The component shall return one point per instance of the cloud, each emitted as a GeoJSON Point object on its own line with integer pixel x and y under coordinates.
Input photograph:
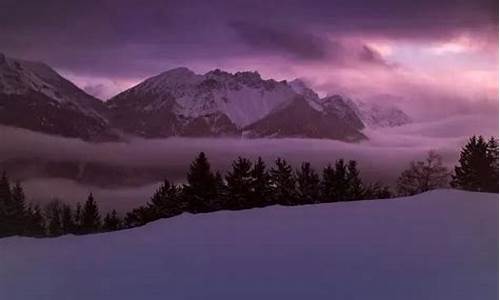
{"type": "Point", "coordinates": [299, 44]}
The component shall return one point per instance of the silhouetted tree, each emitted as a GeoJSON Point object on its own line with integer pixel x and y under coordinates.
{"type": "Point", "coordinates": [67, 219]}
{"type": "Point", "coordinates": [478, 166]}
{"type": "Point", "coordinates": [283, 183]}
{"type": "Point", "coordinates": [308, 184]}
{"type": "Point", "coordinates": [355, 188]}
{"type": "Point", "coordinates": [90, 219]}
{"type": "Point", "coordinates": [35, 222]}
{"type": "Point", "coordinates": [17, 210]}
{"type": "Point", "coordinates": [200, 193]}
{"type": "Point", "coordinates": [239, 184]}
{"type": "Point", "coordinates": [5, 206]}
{"type": "Point", "coordinates": [111, 221]}
{"type": "Point", "coordinates": [166, 202]}
{"type": "Point", "coordinates": [261, 184]}
{"type": "Point", "coordinates": [423, 176]}
{"type": "Point", "coordinates": [327, 184]}
{"type": "Point", "coordinates": [377, 191]}
{"type": "Point", "coordinates": [53, 216]}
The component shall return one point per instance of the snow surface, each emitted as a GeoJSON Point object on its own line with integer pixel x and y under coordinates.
{"type": "Point", "coordinates": [438, 245]}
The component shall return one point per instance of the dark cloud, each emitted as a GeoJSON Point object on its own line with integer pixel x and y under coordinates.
{"type": "Point", "coordinates": [140, 38]}
{"type": "Point", "coordinates": [299, 44]}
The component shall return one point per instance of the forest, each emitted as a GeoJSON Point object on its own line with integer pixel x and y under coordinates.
{"type": "Point", "coordinates": [248, 184]}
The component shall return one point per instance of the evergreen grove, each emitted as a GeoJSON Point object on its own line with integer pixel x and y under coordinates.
{"type": "Point", "coordinates": [247, 185]}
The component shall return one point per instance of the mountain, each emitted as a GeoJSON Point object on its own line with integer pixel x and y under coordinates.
{"type": "Point", "coordinates": [181, 103]}
{"type": "Point", "coordinates": [35, 97]}
{"type": "Point", "coordinates": [437, 245]}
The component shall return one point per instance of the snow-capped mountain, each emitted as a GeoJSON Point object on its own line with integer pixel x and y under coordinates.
{"type": "Point", "coordinates": [377, 115]}
{"type": "Point", "coordinates": [34, 96]}
{"type": "Point", "coordinates": [181, 103]}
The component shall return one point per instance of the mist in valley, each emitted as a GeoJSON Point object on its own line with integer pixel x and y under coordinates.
{"type": "Point", "coordinates": [124, 175]}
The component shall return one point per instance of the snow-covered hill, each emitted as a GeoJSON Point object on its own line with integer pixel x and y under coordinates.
{"type": "Point", "coordinates": [438, 245]}
{"type": "Point", "coordinates": [34, 96]}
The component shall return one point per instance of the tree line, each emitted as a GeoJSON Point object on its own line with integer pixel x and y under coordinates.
{"type": "Point", "coordinates": [247, 185]}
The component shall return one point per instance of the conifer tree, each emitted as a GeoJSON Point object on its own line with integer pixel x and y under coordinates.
{"type": "Point", "coordinates": [111, 221]}
{"type": "Point", "coordinates": [17, 209]}
{"type": "Point", "coordinates": [67, 219]}
{"type": "Point", "coordinates": [327, 184]}
{"type": "Point", "coordinates": [5, 204]}
{"type": "Point", "coordinates": [341, 183]}
{"type": "Point", "coordinates": [200, 192]}
{"type": "Point", "coordinates": [53, 216]}
{"type": "Point", "coordinates": [35, 222]}
{"type": "Point", "coordinates": [91, 220]}
{"type": "Point", "coordinates": [308, 184]}
{"type": "Point", "coordinates": [355, 190]}
{"type": "Point", "coordinates": [166, 202]}
{"type": "Point", "coordinates": [261, 184]}
{"type": "Point", "coordinates": [239, 184]}
{"type": "Point", "coordinates": [283, 183]}
{"type": "Point", "coordinates": [221, 201]}
{"type": "Point", "coordinates": [478, 166]}
{"type": "Point", "coordinates": [78, 218]}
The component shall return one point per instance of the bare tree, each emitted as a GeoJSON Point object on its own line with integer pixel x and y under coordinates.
{"type": "Point", "coordinates": [423, 176]}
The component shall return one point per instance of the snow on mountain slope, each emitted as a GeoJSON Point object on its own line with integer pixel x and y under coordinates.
{"type": "Point", "coordinates": [244, 97]}
{"type": "Point", "coordinates": [436, 246]}
{"type": "Point", "coordinates": [376, 115]}
{"type": "Point", "coordinates": [35, 97]}
{"type": "Point", "coordinates": [219, 103]}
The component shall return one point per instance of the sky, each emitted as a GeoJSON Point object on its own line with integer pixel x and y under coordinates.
{"type": "Point", "coordinates": [434, 59]}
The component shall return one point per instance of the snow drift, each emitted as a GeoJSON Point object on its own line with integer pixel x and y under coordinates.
{"type": "Point", "coordinates": [438, 245]}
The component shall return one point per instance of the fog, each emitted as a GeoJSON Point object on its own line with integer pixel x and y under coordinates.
{"type": "Point", "coordinates": [381, 158]}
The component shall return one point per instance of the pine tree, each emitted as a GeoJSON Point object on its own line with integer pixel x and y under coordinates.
{"type": "Point", "coordinates": [239, 184]}
{"type": "Point", "coordinates": [201, 192]}
{"type": "Point", "coordinates": [5, 205]}
{"type": "Point", "coordinates": [77, 220]}
{"type": "Point", "coordinates": [166, 202]}
{"type": "Point", "coordinates": [112, 222]}
{"type": "Point", "coordinates": [261, 184]}
{"type": "Point", "coordinates": [308, 184]}
{"type": "Point", "coordinates": [341, 183]}
{"type": "Point", "coordinates": [67, 220]}
{"type": "Point", "coordinates": [17, 209]}
{"type": "Point", "coordinates": [283, 183]}
{"type": "Point", "coordinates": [355, 190]}
{"type": "Point", "coordinates": [53, 212]}
{"type": "Point", "coordinates": [35, 222]}
{"type": "Point", "coordinates": [478, 166]}
{"type": "Point", "coordinates": [91, 220]}
{"type": "Point", "coordinates": [327, 184]}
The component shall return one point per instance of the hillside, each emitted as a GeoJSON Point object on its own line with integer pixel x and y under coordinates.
{"type": "Point", "coordinates": [438, 245]}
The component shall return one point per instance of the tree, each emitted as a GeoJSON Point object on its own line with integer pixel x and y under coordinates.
{"type": "Point", "coordinates": [16, 210]}
{"type": "Point", "coordinates": [283, 183]}
{"type": "Point", "coordinates": [355, 187]}
{"type": "Point", "coordinates": [239, 184]}
{"type": "Point", "coordinates": [67, 221]}
{"type": "Point", "coordinates": [308, 184]}
{"type": "Point", "coordinates": [5, 204]}
{"type": "Point", "coordinates": [260, 185]}
{"type": "Point", "coordinates": [423, 176]}
{"type": "Point", "coordinates": [166, 202]}
{"type": "Point", "coordinates": [53, 212]}
{"type": "Point", "coordinates": [327, 184]}
{"type": "Point", "coordinates": [91, 220]}
{"type": "Point", "coordinates": [377, 191]}
{"type": "Point", "coordinates": [111, 221]}
{"type": "Point", "coordinates": [478, 166]}
{"type": "Point", "coordinates": [35, 223]}
{"type": "Point", "coordinates": [200, 192]}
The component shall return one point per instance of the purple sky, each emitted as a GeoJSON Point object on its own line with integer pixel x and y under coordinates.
{"type": "Point", "coordinates": [433, 58]}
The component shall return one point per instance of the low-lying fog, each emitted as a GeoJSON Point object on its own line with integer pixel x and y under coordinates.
{"type": "Point", "coordinates": [381, 158]}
